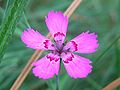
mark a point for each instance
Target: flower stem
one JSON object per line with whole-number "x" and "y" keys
{"x": 57, "y": 82}
{"x": 57, "y": 78}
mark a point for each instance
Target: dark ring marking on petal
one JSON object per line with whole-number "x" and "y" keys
{"x": 75, "y": 45}
{"x": 66, "y": 62}
{"x": 70, "y": 58}
{"x": 49, "y": 57}
{"x": 58, "y": 33}
{"x": 46, "y": 44}
{"x": 52, "y": 58}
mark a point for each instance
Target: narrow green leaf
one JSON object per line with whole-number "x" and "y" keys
{"x": 14, "y": 11}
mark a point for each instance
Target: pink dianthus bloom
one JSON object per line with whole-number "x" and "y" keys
{"x": 49, "y": 65}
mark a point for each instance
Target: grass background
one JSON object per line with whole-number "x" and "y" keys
{"x": 100, "y": 16}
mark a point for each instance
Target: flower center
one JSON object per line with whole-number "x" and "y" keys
{"x": 59, "y": 47}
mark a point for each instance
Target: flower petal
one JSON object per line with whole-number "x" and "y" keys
{"x": 83, "y": 43}
{"x": 47, "y": 67}
{"x": 33, "y": 39}
{"x": 57, "y": 24}
{"x": 76, "y": 66}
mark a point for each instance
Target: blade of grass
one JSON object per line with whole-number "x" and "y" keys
{"x": 4, "y": 14}
{"x": 117, "y": 58}
{"x": 38, "y": 53}
{"x": 26, "y": 20}
{"x": 102, "y": 54}
{"x": 1, "y": 11}
{"x": 93, "y": 83}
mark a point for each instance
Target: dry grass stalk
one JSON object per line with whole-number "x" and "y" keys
{"x": 112, "y": 85}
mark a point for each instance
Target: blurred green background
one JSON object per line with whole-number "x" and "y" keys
{"x": 100, "y": 16}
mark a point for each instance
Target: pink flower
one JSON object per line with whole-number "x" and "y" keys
{"x": 49, "y": 65}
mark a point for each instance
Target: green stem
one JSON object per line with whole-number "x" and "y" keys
{"x": 57, "y": 82}
{"x": 57, "y": 78}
